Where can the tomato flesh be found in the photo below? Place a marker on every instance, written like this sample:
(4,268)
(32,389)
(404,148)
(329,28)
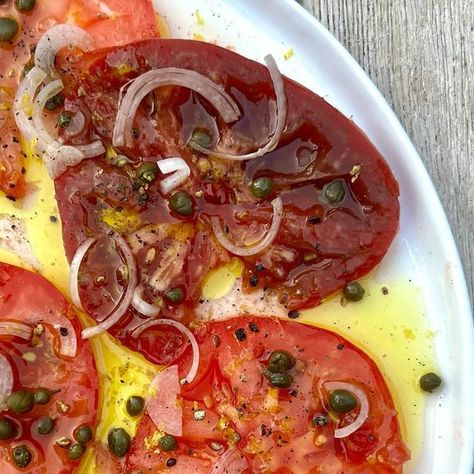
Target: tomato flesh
(28,297)
(272,428)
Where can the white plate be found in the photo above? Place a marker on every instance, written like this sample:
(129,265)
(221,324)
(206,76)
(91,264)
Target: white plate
(424,249)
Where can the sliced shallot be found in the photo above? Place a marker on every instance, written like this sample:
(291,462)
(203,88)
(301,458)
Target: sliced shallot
(231,462)
(163,407)
(262,244)
(23,103)
(142,306)
(363,412)
(150,80)
(278,124)
(17,329)
(74,272)
(184,330)
(180,170)
(58,37)
(6,381)
(91,149)
(126,300)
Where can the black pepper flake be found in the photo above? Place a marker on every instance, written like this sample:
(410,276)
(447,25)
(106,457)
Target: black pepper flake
(320,419)
(53,219)
(384,290)
(240,334)
(259,267)
(370,437)
(253,327)
(314,220)
(171,462)
(265,430)
(63,331)
(340,346)
(253,281)
(293,392)
(135,133)
(293,314)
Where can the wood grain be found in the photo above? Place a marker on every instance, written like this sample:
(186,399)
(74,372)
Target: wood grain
(420,54)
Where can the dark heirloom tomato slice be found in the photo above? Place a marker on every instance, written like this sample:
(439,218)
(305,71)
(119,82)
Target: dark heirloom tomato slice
(49,359)
(275,430)
(340,199)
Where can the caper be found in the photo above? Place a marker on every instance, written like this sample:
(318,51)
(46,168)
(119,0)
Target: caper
(201,138)
(7,428)
(167,443)
(25,5)
(280,380)
(182,203)
(341,401)
(135,405)
(20,401)
(429,382)
(64,119)
(119,442)
(334,192)
(21,455)
(262,187)
(280,362)
(43,395)
(83,434)
(54,102)
(44,425)
(8,29)
(353,291)
(174,295)
(76,451)
(147,171)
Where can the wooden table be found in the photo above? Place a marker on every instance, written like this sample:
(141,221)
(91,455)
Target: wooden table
(420,54)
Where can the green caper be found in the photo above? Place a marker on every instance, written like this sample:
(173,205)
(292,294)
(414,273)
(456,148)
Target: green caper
(7,428)
(167,443)
(353,291)
(135,405)
(76,451)
(147,171)
(174,295)
(182,203)
(20,401)
(334,192)
(342,401)
(44,425)
(429,382)
(119,442)
(201,137)
(54,102)
(21,455)
(280,362)
(43,395)
(83,434)
(8,29)
(280,380)
(25,5)
(262,187)
(64,119)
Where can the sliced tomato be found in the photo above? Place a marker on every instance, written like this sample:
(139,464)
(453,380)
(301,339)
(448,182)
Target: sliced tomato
(55,358)
(233,417)
(114,22)
(321,245)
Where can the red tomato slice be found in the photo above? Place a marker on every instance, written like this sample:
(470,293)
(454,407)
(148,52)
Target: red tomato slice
(267,429)
(114,22)
(29,298)
(321,245)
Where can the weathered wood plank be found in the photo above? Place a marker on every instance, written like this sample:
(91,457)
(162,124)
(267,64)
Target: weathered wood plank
(420,54)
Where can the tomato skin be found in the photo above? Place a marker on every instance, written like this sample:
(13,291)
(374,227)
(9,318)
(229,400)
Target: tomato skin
(277,434)
(26,296)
